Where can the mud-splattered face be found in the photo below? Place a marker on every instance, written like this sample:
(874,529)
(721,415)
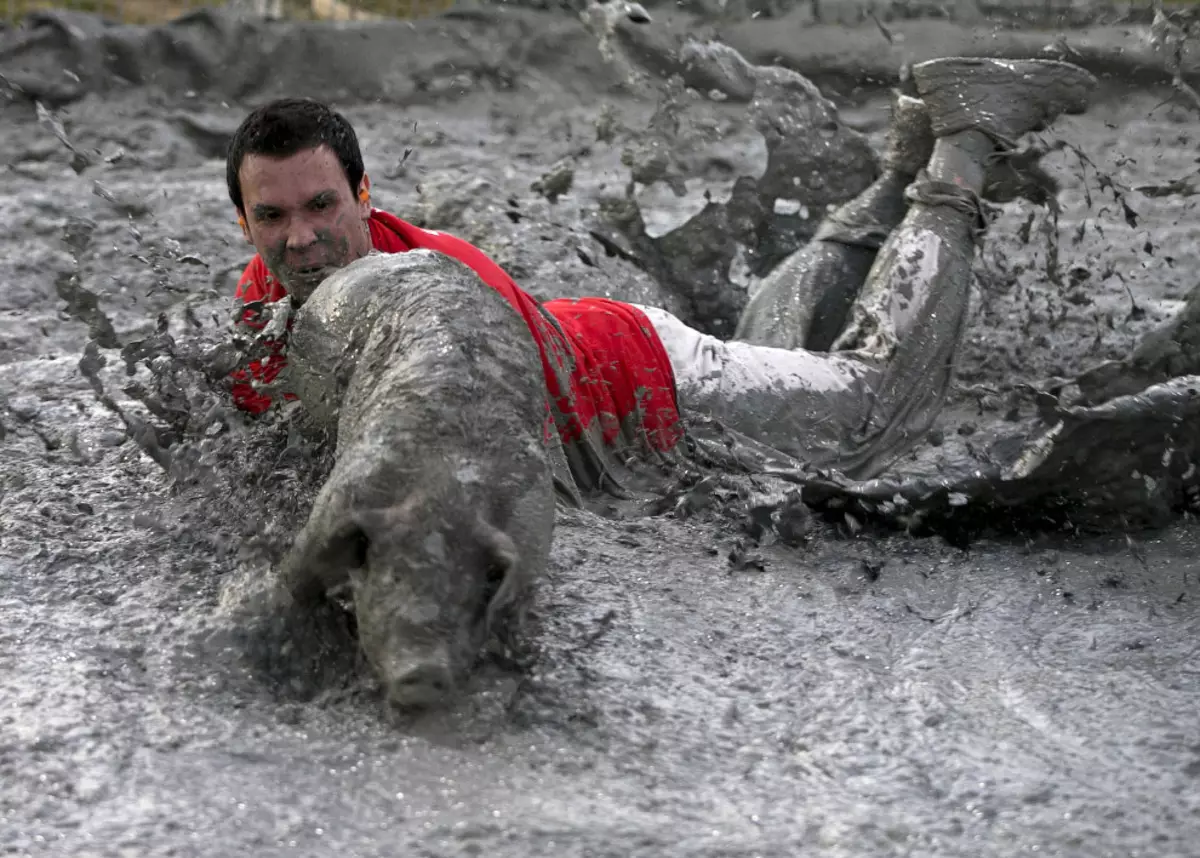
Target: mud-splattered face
(302,217)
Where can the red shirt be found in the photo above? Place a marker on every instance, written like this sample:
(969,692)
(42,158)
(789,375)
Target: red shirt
(606,369)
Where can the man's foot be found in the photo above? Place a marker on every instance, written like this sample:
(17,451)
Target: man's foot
(910,137)
(1002,98)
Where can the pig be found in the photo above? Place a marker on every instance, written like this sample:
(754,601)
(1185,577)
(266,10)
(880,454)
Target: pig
(438,512)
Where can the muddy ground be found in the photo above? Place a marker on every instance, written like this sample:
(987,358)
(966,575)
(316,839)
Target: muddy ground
(856,696)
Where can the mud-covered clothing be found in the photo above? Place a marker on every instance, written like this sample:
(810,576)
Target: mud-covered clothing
(861,408)
(609,381)
(808,405)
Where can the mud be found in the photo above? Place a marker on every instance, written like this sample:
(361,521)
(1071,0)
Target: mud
(692,690)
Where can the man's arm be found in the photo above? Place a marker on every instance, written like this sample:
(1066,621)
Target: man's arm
(253,288)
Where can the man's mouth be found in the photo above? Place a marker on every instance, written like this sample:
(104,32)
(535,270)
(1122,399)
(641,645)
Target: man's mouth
(302,282)
(310,275)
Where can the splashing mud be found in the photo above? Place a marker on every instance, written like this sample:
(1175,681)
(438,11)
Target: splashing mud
(722,673)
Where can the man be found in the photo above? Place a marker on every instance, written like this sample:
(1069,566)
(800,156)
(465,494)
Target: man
(296,178)
(618,375)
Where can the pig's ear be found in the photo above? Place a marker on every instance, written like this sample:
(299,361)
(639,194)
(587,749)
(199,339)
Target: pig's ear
(506,582)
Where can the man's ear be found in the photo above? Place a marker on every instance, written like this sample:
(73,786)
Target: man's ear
(364,196)
(241,219)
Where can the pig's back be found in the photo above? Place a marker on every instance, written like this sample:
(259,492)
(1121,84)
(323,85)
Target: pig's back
(427,332)
(415,351)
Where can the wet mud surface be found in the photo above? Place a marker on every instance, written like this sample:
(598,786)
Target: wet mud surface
(689,693)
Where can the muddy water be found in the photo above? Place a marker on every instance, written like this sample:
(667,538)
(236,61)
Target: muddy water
(861,699)
(852,697)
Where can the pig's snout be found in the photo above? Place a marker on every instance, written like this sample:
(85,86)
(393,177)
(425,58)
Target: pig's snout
(418,684)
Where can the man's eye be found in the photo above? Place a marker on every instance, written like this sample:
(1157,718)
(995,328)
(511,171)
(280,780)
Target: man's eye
(321,205)
(267,217)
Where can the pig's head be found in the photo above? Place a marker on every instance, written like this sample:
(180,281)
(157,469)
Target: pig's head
(432,581)
(433,589)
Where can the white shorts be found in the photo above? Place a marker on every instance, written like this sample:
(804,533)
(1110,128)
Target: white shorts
(806,404)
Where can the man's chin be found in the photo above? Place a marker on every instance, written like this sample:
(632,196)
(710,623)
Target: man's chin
(301,285)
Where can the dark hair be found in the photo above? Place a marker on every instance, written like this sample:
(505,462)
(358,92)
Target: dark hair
(287,126)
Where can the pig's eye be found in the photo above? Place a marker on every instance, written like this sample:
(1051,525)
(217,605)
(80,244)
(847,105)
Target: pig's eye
(492,582)
(358,547)
(495,577)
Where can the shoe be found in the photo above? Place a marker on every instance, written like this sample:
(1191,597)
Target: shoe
(909,137)
(1002,98)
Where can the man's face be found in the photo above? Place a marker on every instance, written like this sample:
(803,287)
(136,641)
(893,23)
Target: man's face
(302,217)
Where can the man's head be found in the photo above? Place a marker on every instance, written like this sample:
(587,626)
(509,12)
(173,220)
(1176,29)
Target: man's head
(295,176)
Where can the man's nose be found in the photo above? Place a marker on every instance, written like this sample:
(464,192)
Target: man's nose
(300,234)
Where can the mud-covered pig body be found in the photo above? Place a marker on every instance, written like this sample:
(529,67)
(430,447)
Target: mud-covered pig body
(439,509)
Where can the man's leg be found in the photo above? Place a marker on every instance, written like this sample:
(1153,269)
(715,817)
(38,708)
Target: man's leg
(805,301)
(859,409)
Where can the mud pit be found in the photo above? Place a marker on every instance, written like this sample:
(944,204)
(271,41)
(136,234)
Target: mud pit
(689,694)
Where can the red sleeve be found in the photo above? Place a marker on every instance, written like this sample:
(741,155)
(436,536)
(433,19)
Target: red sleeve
(253,286)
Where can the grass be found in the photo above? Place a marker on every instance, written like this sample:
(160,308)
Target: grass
(130,11)
(160,11)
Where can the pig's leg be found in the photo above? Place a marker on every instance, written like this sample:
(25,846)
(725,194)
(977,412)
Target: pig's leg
(860,409)
(328,548)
